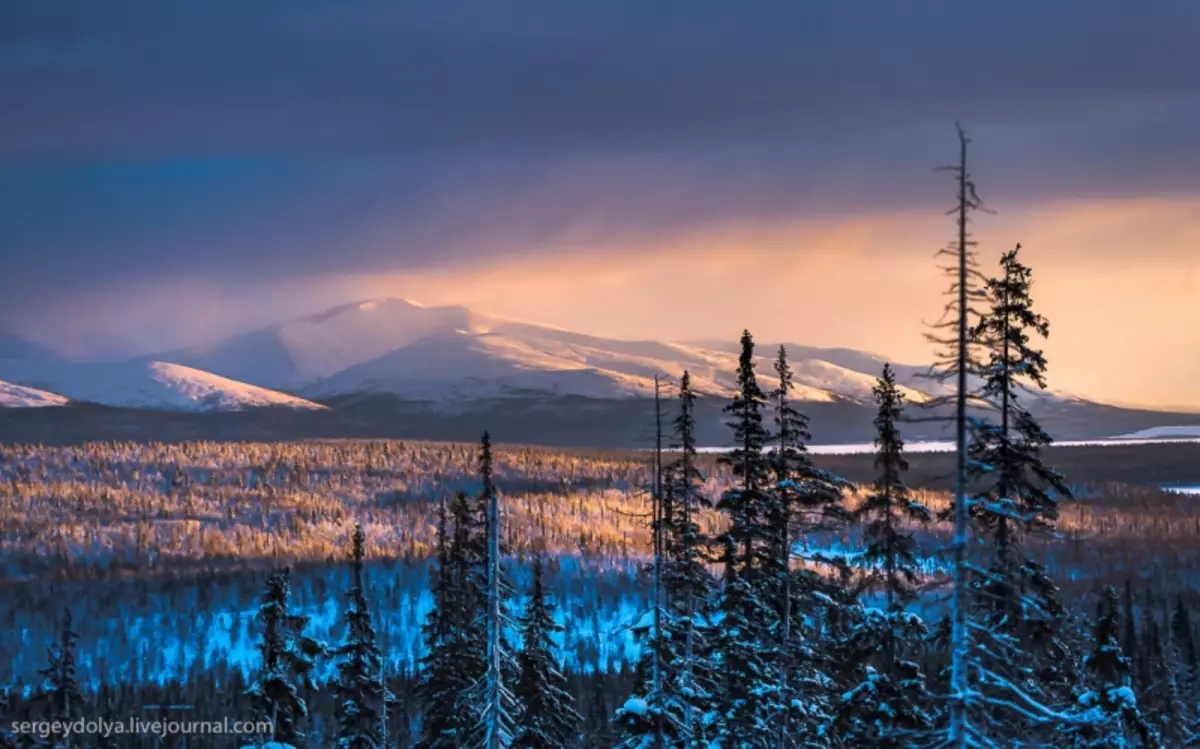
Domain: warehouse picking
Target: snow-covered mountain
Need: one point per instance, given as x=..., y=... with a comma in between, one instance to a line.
x=399, y=347
x=19, y=396
x=300, y=352
x=448, y=371
x=142, y=384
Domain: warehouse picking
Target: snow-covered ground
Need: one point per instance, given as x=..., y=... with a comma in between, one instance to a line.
x=1194, y=490
x=145, y=384
x=131, y=635
x=19, y=396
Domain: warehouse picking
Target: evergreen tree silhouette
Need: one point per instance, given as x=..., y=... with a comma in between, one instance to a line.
x=288, y=659
x=360, y=689
x=748, y=698
x=62, y=694
x=547, y=718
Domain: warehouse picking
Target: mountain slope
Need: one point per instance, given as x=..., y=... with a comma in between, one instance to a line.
x=447, y=354
x=19, y=396
x=300, y=352
x=443, y=354
x=509, y=358
x=142, y=384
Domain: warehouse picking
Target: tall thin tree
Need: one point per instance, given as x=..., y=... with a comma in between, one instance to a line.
x=957, y=358
x=748, y=697
x=499, y=706
x=890, y=506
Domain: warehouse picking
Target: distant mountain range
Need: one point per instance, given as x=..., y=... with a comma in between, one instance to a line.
x=393, y=366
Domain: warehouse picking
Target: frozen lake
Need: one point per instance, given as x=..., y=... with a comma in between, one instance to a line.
x=946, y=447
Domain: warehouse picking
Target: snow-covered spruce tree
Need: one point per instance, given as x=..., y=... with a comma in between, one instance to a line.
x=887, y=703
x=802, y=501
x=547, y=717
x=884, y=701
x=747, y=696
x=889, y=508
x=492, y=698
x=1166, y=708
x=360, y=689
x=1015, y=601
x=1016, y=596
x=988, y=697
x=287, y=658
x=687, y=582
x=1114, y=720
x=61, y=694
x=678, y=707
x=455, y=632
x=440, y=686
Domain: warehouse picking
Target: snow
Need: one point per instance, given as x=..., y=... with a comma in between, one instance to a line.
x=400, y=347
x=18, y=396
x=1161, y=433
x=442, y=353
x=1192, y=490
x=307, y=350
x=145, y=384
x=635, y=706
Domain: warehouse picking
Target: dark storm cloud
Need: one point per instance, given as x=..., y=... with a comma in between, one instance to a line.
x=232, y=139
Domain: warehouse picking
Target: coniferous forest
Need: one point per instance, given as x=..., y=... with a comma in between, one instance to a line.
x=363, y=595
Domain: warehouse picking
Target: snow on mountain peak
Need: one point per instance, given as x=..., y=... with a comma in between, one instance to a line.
x=19, y=396
x=144, y=384
x=209, y=391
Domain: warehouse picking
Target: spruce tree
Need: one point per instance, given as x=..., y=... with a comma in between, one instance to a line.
x=547, y=718
x=749, y=503
x=361, y=693
x=1129, y=635
x=886, y=703
x=1166, y=708
x=889, y=507
x=492, y=698
x=957, y=359
x=678, y=708
x=1016, y=599
x=287, y=659
x=1185, y=643
x=883, y=698
x=747, y=699
x=1115, y=721
x=440, y=684
x=802, y=501
x=61, y=692
x=688, y=584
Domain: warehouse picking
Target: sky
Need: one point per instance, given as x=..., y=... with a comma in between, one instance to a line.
x=172, y=171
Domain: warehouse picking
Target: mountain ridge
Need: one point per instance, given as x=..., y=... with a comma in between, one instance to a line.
x=394, y=367
x=360, y=348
